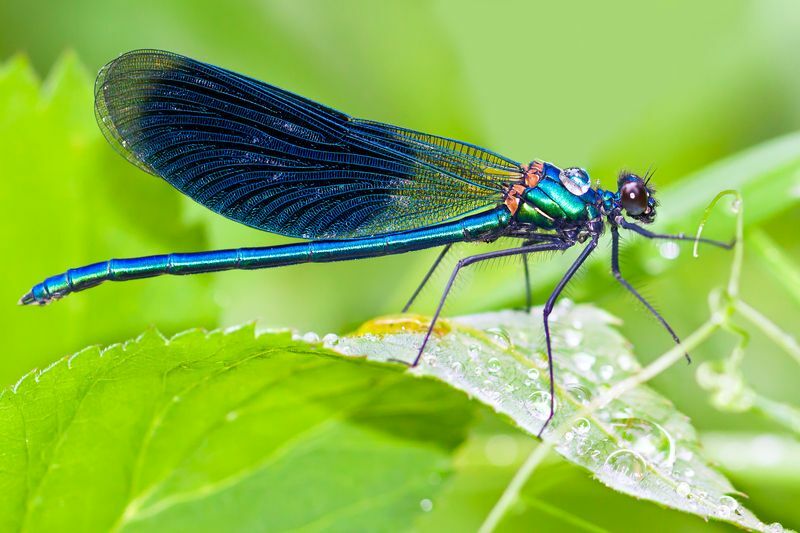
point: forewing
(282, 163)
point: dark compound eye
(633, 196)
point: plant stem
(511, 493)
(668, 359)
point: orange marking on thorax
(534, 173)
(513, 197)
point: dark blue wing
(279, 162)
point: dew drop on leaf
(474, 350)
(311, 337)
(573, 338)
(583, 361)
(582, 426)
(727, 505)
(539, 404)
(426, 505)
(331, 339)
(500, 337)
(628, 464)
(580, 393)
(683, 489)
(649, 439)
(493, 366)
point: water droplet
(568, 436)
(426, 505)
(331, 339)
(580, 393)
(311, 337)
(649, 439)
(736, 205)
(626, 362)
(493, 366)
(500, 337)
(457, 367)
(573, 338)
(577, 323)
(628, 464)
(570, 380)
(532, 374)
(474, 350)
(231, 416)
(105, 120)
(775, 527)
(669, 250)
(683, 489)
(429, 359)
(583, 361)
(727, 505)
(606, 372)
(582, 426)
(489, 389)
(538, 404)
(124, 143)
(595, 455)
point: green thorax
(550, 204)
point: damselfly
(279, 162)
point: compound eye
(633, 196)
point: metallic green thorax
(549, 204)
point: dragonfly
(350, 188)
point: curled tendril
(707, 213)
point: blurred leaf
(638, 444)
(68, 200)
(776, 260)
(222, 431)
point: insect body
(352, 188)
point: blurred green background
(675, 85)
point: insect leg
(527, 283)
(427, 277)
(548, 308)
(539, 247)
(679, 237)
(618, 275)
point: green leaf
(223, 431)
(69, 200)
(638, 444)
(232, 430)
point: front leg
(532, 248)
(620, 221)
